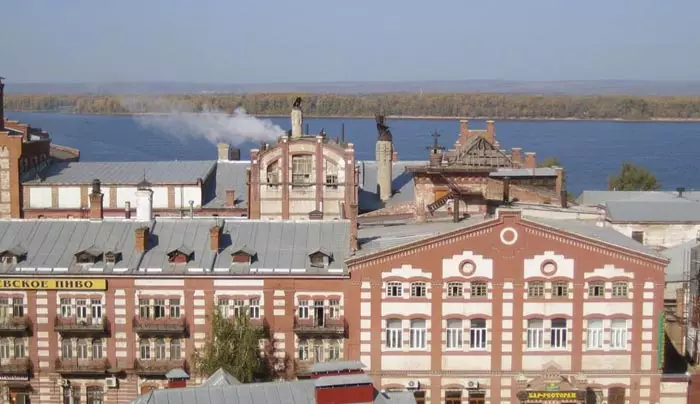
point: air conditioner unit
(111, 382)
(413, 385)
(472, 384)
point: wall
(660, 235)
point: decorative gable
(88, 256)
(13, 255)
(243, 255)
(180, 255)
(320, 257)
(479, 152)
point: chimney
(230, 198)
(490, 132)
(141, 239)
(395, 156)
(384, 155)
(215, 238)
(96, 199)
(344, 389)
(224, 152)
(127, 210)
(516, 155)
(297, 122)
(463, 128)
(530, 160)
(235, 154)
(2, 104)
(436, 158)
(559, 185)
(144, 202)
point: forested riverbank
(495, 106)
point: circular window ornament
(467, 268)
(549, 268)
(509, 236)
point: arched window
(145, 349)
(273, 174)
(535, 333)
(477, 334)
(418, 289)
(160, 349)
(175, 350)
(616, 395)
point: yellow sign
(552, 395)
(54, 284)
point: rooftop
(678, 210)
(679, 267)
(594, 198)
(401, 184)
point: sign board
(552, 395)
(15, 378)
(54, 284)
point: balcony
(157, 367)
(15, 325)
(81, 325)
(320, 326)
(15, 368)
(82, 367)
(160, 326)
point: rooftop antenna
(342, 132)
(436, 146)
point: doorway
(319, 314)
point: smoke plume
(179, 119)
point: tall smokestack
(2, 104)
(144, 202)
(384, 155)
(297, 119)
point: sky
(287, 41)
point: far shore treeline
(495, 106)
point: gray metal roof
(343, 380)
(680, 257)
(178, 234)
(229, 175)
(178, 373)
(525, 172)
(220, 378)
(401, 184)
(669, 211)
(594, 198)
(127, 173)
(336, 366)
(604, 234)
(281, 246)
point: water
(589, 150)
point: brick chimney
(559, 187)
(230, 198)
(96, 201)
(344, 389)
(141, 239)
(463, 128)
(490, 132)
(516, 155)
(530, 160)
(224, 151)
(215, 238)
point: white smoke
(179, 119)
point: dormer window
(111, 257)
(181, 255)
(320, 258)
(243, 255)
(9, 259)
(13, 255)
(88, 256)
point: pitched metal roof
(336, 366)
(678, 210)
(343, 380)
(125, 173)
(594, 198)
(187, 236)
(230, 175)
(524, 172)
(679, 266)
(401, 184)
(220, 378)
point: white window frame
(224, 307)
(536, 286)
(455, 289)
(303, 311)
(565, 288)
(418, 334)
(535, 333)
(620, 289)
(254, 308)
(478, 335)
(559, 335)
(479, 286)
(303, 351)
(393, 335)
(618, 334)
(594, 333)
(455, 334)
(394, 289)
(419, 289)
(598, 287)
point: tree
(550, 162)
(633, 178)
(234, 345)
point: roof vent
(680, 190)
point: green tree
(550, 162)
(234, 345)
(633, 178)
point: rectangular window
(558, 333)
(535, 333)
(478, 289)
(238, 307)
(175, 350)
(301, 169)
(594, 334)
(144, 308)
(95, 395)
(18, 307)
(224, 308)
(66, 349)
(81, 309)
(418, 289)
(334, 352)
(453, 397)
(5, 308)
(145, 350)
(620, 289)
(560, 289)
(331, 175)
(174, 308)
(596, 289)
(418, 333)
(303, 309)
(618, 334)
(454, 289)
(477, 334)
(4, 348)
(394, 334)
(159, 308)
(19, 348)
(66, 308)
(638, 236)
(254, 308)
(303, 351)
(535, 289)
(96, 311)
(455, 334)
(82, 349)
(334, 308)
(97, 349)
(394, 289)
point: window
(535, 333)
(97, 349)
(594, 334)
(95, 395)
(477, 397)
(638, 236)
(394, 289)
(455, 334)
(419, 396)
(160, 349)
(418, 333)
(318, 351)
(5, 348)
(5, 308)
(303, 351)
(144, 308)
(558, 333)
(75, 394)
(560, 289)
(82, 349)
(331, 175)
(535, 289)
(273, 174)
(224, 308)
(254, 308)
(174, 308)
(334, 351)
(81, 309)
(110, 258)
(318, 260)
(616, 395)
(620, 289)
(478, 289)
(19, 348)
(453, 397)
(334, 308)
(596, 289)
(301, 169)
(454, 289)
(418, 289)
(175, 349)
(477, 334)
(8, 259)
(18, 307)
(66, 308)
(158, 308)
(145, 349)
(618, 334)
(66, 349)
(393, 333)
(238, 307)
(303, 309)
